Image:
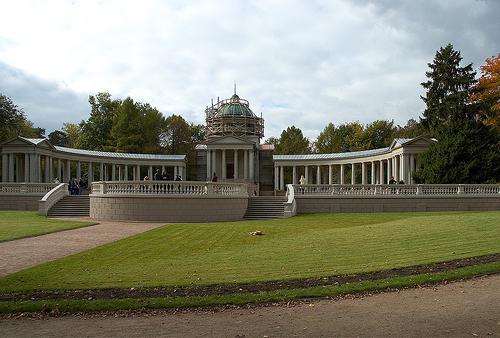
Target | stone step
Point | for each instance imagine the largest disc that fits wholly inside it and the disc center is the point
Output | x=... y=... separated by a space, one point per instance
x=71 y=206
x=267 y=207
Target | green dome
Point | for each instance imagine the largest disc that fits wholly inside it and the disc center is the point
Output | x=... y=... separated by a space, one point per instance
x=235 y=107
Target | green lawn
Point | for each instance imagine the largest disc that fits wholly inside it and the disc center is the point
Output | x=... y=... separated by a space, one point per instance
x=302 y=246
x=19 y=224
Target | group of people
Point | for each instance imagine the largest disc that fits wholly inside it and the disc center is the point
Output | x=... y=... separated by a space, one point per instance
x=162 y=176
x=393 y=181
x=75 y=186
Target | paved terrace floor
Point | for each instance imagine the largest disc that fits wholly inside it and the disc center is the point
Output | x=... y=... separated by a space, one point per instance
x=24 y=253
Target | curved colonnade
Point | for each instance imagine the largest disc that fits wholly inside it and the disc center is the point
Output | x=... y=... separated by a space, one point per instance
x=38 y=161
x=377 y=166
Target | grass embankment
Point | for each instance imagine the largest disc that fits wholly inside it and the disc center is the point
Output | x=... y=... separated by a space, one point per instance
x=20 y=224
x=79 y=305
x=301 y=247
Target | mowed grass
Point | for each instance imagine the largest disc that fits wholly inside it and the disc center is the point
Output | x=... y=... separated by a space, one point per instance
x=20 y=224
x=302 y=246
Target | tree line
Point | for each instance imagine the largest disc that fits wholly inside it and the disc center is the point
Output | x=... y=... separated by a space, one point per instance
x=461 y=112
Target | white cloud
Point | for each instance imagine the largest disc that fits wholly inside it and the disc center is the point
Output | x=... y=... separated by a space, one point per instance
x=298 y=62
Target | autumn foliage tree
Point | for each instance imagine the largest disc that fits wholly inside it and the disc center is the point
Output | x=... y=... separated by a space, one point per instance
x=487 y=91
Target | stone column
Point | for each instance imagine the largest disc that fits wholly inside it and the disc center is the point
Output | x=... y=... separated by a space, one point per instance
x=294 y=174
x=33 y=168
x=330 y=174
x=381 y=172
x=18 y=168
x=245 y=164
x=363 y=173
x=119 y=166
x=138 y=173
x=276 y=177
x=39 y=168
x=59 y=170
x=5 y=168
x=90 y=174
x=396 y=167
x=306 y=174
x=26 y=168
x=342 y=174
x=412 y=167
x=372 y=172
x=11 y=167
x=113 y=172
x=181 y=172
x=209 y=167
x=150 y=172
x=389 y=170
x=78 y=170
x=251 y=169
x=282 y=178
x=353 y=173
x=175 y=172
x=235 y=165
x=67 y=171
x=51 y=169
x=101 y=171
x=125 y=173
x=214 y=162
x=224 y=164
x=402 y=168
x=318 y=174
x=47 y=169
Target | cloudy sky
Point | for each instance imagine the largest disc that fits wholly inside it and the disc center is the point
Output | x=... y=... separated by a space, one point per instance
x=305 y=63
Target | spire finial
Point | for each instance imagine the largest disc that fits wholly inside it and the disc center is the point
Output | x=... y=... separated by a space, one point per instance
x=234 y=87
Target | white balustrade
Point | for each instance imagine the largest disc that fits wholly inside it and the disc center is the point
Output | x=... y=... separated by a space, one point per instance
x=169 y=188
x=26 y=188
x=397 y=189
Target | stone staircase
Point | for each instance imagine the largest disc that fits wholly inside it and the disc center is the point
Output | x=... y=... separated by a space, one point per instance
x=261 y=207
x=71 y=206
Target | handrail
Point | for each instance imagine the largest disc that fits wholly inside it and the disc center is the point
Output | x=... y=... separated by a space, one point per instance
x=51 y=198
x=189 y=188
x=26 y=188
x=397 y=189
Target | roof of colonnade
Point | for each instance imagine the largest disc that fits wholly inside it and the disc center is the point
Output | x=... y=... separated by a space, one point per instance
x=396 y=143
x=43 y=142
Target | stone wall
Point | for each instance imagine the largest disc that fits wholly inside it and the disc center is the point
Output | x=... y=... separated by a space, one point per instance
x=19 y=202
x=167 y=208
x=381 y=204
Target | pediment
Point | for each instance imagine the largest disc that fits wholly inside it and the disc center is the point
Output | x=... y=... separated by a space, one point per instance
x=233 y=140
x=420 y=141
x=20 y=141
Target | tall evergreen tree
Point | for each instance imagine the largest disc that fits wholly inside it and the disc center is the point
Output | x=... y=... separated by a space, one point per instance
x=467 y=150
x=447 y=90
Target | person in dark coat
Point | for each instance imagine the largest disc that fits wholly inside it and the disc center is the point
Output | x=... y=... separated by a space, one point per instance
x=215 y=178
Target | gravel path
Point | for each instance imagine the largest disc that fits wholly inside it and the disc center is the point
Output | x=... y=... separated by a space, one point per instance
x=23 y=253
x=461 y=309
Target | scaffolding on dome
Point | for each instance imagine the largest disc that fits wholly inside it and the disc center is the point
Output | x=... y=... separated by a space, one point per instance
x=233 y=117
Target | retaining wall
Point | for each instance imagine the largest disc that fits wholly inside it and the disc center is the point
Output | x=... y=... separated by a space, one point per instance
x=167 y=208
x=315 y=204
x=19 y=202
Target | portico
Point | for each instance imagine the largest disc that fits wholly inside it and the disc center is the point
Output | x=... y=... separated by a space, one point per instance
x=31 y=160
x=230 y=158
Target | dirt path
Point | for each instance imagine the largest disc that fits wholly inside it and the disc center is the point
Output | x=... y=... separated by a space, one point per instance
x=23 y=253
x=462 y=309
